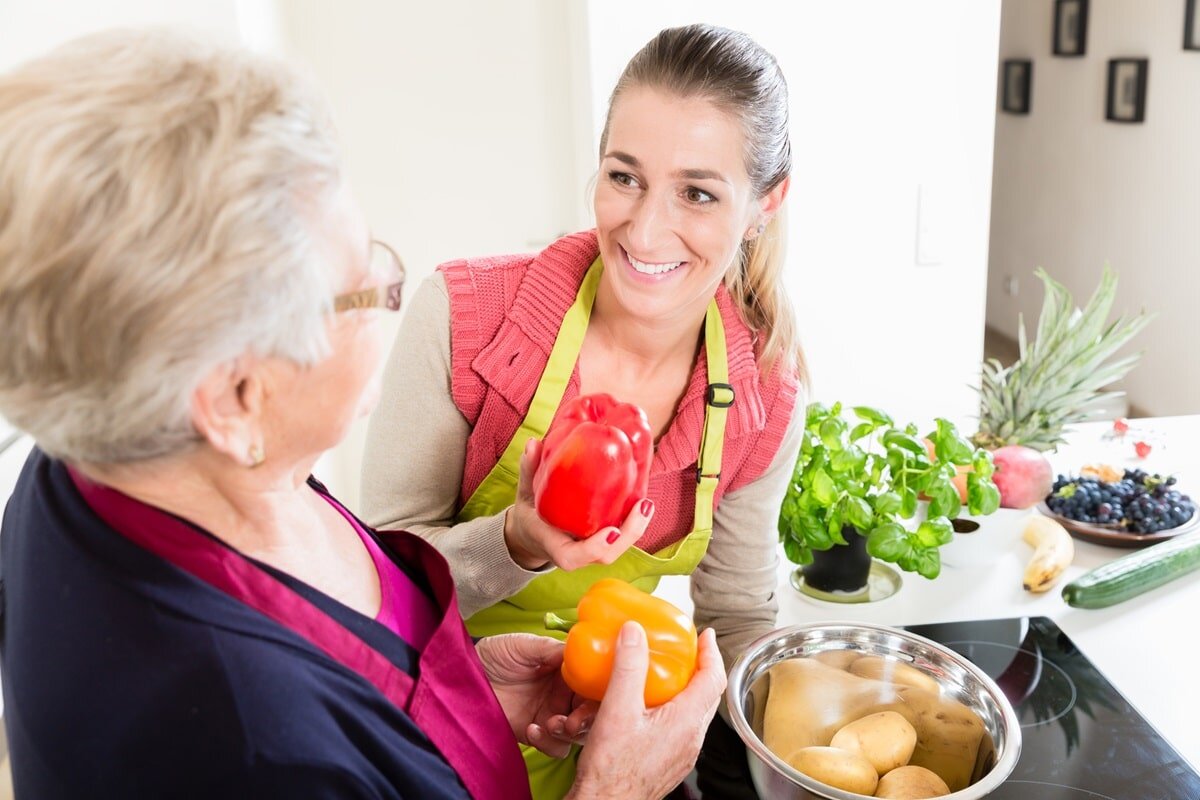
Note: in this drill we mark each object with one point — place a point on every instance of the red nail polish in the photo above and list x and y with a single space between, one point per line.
647 507
613 535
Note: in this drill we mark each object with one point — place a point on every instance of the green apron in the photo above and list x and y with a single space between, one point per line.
559 591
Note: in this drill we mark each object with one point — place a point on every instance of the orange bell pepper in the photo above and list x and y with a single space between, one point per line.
588 655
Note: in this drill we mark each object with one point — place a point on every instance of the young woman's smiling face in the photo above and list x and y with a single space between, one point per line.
673 202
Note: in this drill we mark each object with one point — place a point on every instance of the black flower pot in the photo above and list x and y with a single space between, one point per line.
841 568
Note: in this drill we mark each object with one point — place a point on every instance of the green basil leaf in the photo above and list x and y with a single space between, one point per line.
887 503
983 464
982 495
832 431
888 541
796 552
949 446
908 503
937 501
816 536
835 521
929 563
808 503
878 464
855 488
858 513
872 415
823 488
852 459
895 438
945 530
814 415
860 430
789 512
943 499
934 532
922 481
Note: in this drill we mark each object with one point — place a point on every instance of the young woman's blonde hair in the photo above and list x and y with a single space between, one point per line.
157 199
738 76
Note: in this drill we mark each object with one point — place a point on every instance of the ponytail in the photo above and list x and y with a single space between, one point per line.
756 286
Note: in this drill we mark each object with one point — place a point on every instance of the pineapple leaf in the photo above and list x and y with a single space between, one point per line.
1060 376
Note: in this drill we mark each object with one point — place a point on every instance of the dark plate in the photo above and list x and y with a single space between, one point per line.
1098 534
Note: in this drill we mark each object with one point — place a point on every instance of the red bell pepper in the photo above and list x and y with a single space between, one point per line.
595 465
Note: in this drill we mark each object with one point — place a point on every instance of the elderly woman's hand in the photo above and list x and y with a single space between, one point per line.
633 752
533 543
526 674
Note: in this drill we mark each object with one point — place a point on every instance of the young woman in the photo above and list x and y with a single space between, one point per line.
674 302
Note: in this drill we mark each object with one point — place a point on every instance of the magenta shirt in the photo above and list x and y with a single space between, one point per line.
405 610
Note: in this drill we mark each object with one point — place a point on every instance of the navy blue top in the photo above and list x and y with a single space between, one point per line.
126 677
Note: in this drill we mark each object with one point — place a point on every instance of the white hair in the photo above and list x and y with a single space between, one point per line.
157 201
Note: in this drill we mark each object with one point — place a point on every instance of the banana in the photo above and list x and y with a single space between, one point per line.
1053 551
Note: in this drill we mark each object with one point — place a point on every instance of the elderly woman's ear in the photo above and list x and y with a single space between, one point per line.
227 410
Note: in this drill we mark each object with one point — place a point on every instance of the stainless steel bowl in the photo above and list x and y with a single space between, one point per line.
958 678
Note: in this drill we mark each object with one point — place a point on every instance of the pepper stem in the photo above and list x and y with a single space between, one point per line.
554 622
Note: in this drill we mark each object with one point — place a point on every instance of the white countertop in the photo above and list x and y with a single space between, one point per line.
1147 647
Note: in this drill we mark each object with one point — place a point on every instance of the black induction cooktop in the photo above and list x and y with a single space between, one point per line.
1081 740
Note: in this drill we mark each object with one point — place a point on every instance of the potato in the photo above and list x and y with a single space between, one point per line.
810 701
848 771
893 671
886 739
949 736
911 783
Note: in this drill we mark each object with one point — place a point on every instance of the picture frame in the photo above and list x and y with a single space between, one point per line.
1126 93
1070 27
1016 86
1191 27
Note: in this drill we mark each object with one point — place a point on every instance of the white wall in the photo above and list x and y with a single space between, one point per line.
457 126
886 98
471 127
29 28
1072 191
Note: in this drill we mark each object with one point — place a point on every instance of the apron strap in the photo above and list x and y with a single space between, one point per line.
500 486
718 397
546 400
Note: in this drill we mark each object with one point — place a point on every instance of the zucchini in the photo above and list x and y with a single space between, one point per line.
1131 575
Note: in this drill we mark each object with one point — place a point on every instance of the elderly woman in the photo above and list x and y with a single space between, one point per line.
189 302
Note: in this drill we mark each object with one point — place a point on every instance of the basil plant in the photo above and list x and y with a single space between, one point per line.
870 475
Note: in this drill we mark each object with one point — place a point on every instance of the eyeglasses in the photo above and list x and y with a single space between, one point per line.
384 261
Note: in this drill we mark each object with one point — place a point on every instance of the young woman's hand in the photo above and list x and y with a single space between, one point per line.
634 752
533 543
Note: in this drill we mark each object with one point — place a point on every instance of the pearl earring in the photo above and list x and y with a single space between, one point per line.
255 456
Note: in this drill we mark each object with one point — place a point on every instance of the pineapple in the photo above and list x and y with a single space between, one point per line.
1058 378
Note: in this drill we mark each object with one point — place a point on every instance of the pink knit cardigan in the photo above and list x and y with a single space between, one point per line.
505 314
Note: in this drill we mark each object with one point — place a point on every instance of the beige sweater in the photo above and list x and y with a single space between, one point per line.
412 476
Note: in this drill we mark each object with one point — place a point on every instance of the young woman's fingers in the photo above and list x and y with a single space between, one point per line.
606 546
